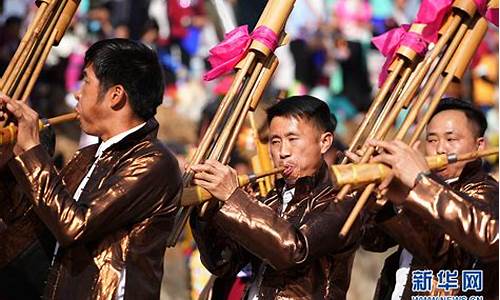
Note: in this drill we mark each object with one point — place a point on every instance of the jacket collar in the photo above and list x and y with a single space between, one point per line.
470 171
146 132
307 184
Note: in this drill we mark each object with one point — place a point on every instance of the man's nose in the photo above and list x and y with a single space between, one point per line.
441 148
285 150
77 95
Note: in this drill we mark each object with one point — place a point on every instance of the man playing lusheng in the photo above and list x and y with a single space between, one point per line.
111 208
291 237
455 128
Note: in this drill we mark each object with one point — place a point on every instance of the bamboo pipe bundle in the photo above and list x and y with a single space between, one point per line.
252 76
49 25
8 134
400 70
460 14
463 9
262 160
195 195
361 174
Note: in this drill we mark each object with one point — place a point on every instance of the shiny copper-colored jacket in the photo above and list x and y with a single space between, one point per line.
121 220
435 247
19 225
26 244
303 254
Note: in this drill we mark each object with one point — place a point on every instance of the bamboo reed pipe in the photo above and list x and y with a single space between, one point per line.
36 58
65 19
48 18
210 146
456 68
370 188
361 174
431 82
375 107
406 57
27 38
8 134
237 118
195 195
38 68
207 140
408 92
262 79
390 102
230 133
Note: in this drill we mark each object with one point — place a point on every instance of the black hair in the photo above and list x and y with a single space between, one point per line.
473 114
134 66
304 107
148 25
13 20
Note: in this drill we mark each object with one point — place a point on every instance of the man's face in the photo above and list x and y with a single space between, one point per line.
450 132
297 145
91 105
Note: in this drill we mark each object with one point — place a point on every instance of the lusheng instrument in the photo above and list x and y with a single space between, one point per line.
47 29
196 195
8 134
447 59
252 77
262 161
362 174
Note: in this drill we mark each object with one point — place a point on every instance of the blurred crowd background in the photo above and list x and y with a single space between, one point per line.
329 56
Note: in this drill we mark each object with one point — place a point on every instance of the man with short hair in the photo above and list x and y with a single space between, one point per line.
290 238
111 208
474 227
456 127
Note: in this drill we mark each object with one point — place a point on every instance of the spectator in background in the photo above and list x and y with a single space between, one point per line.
9 39
186 18
351 19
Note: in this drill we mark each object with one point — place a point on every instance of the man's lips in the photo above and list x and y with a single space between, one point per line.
288 170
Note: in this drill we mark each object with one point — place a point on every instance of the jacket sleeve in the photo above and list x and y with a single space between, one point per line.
274 240
136 189
474 227
374 238
219 254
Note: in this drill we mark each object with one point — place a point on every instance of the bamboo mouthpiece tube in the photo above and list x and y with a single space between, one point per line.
195 195
8 134
361 174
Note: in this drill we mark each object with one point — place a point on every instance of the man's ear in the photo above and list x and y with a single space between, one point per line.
326 141
481 143
118 96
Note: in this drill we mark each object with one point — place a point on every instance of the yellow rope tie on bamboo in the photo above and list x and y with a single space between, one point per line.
336 173
199 194
382 169
355 174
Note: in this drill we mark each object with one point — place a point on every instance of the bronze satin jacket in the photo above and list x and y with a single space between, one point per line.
19 225
466 246
121 220
304 257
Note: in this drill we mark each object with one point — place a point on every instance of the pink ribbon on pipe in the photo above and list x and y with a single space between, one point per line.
226 55
431 13
389 42
491 14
